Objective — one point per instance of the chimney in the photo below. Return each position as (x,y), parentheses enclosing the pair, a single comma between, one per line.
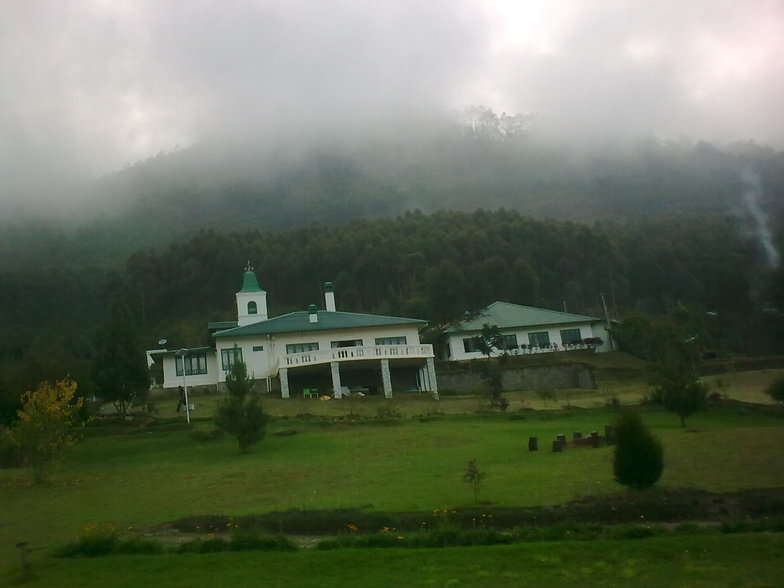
(329,296)
(312,313)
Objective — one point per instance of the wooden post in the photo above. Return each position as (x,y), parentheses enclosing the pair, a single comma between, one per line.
(557,446)
(609,434)
(596,441)
(577,435)
(561,439)
(533,443)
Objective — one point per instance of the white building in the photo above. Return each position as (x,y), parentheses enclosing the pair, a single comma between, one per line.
(525,330)
(313,352)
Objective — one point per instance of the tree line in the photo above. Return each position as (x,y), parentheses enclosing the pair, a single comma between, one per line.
(435,266)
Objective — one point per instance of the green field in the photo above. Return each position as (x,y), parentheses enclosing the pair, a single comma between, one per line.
(696,561)
(136,476)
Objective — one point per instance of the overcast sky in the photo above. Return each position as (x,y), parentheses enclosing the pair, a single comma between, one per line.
(88,85)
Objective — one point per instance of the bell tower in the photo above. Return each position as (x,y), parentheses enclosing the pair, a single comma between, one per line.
(251,300)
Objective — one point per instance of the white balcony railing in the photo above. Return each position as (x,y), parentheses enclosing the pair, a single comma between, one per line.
(421,350)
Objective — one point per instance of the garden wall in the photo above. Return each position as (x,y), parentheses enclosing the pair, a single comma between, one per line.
(554,377)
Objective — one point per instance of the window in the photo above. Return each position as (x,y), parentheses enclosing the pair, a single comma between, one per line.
(258,348)
(570,336)
(391,341)
(347,343)
(301,347)
(252,308)
(230,356)
(469,345)
(194,364)
(508,342)
(540,339)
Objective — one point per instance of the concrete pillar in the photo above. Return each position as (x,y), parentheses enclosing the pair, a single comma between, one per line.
(431,372)
(284,382)
(335,368)
(386,378)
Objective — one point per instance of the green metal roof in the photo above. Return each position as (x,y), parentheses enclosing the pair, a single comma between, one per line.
(221,325)
(505,315)
(188,350)
(296,322)
(250,283)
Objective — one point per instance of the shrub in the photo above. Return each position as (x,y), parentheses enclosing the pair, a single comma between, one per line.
(94,541)
(45,424)
(638,459)
(139,546)
(776,389)
(388,411)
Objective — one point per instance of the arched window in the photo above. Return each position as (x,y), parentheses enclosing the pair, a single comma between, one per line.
(252,309)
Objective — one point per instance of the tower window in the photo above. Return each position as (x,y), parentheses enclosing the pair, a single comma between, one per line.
(252,308)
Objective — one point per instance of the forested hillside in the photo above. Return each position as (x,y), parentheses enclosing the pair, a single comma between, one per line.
(393,220)
(429,266)
(477,160)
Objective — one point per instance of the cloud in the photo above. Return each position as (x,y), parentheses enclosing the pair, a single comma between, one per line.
(91,84)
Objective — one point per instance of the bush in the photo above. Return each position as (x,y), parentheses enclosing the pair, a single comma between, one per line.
(776,389)
(94,541)
(638,459)
(139,546)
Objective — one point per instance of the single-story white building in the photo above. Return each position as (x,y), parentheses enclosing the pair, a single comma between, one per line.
(525,329)
(313,352)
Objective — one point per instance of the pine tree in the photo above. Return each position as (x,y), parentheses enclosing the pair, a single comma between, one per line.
(240,413)
(638,461)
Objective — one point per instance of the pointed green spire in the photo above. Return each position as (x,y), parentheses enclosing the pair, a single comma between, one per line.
(249,281)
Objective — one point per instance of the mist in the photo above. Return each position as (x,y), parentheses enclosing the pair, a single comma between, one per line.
(91,87)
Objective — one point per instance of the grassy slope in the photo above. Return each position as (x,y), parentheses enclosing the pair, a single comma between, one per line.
(150,476)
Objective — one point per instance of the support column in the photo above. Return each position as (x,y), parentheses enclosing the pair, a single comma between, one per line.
(284,382)
(335,368)
(386,378)
(431,372)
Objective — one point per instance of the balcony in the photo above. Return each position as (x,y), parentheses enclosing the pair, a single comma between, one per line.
(294,360)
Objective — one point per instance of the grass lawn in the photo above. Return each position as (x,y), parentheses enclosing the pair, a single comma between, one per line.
(139,477)
(694,561)
(133,477)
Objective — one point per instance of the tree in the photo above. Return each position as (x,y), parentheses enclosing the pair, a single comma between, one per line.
(120,371)
(489,339)
(677,387)
(240,413)
(638,460)
(473,476)
(45,424)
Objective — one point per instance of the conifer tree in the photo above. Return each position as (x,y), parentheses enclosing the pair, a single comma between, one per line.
(240,413)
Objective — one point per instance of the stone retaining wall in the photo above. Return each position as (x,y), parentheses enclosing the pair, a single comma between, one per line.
(554,377)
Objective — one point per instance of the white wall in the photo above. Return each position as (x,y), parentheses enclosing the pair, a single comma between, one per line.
(263,363)
(458,353)
(172,380)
